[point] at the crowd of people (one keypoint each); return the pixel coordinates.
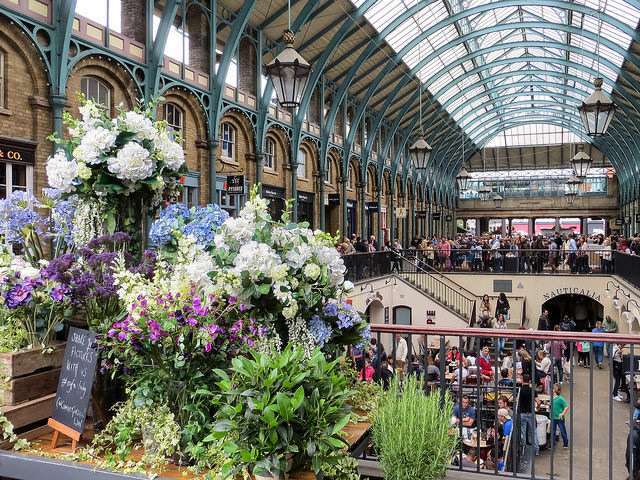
(490, 252)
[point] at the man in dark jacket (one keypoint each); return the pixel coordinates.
(543, 321)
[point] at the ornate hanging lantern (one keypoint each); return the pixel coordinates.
(597, 111)
(289, 73)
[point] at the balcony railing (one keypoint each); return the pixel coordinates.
(601, 398)
(365, 265)
(627, 267)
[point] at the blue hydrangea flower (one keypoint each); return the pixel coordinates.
(16, 213)
(345, 320)
(176, 210)
(161, 231)
(320, 331)
(204, 222)
(62, 217)
(331, 309)
(366, 337)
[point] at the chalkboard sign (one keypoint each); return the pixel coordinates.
(76, 380)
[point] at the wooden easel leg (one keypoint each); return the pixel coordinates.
(54, 439)
(74, 444)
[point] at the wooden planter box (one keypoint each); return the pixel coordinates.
(29, 374)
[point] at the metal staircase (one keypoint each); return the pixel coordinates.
(443, 290)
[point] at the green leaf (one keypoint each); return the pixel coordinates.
(341, 424)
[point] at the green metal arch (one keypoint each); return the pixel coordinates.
(514, 26)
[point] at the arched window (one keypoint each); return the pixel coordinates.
(228, 141)
(175, 121)
(270, 154)
(3, 83)
(327, 173)
(302, 164)
(96, 90)
(350, 178)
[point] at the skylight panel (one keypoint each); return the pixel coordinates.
(381, 14)
(446, 42)
(447, 94)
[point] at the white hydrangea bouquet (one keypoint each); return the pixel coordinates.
(119, 167)
(287, 274)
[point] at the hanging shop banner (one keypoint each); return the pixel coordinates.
(449, 218)
(305, 197)
(334, 199)
(436, 215)
(627, 220)
(637, 217)
(235, 184)
(272, 192)
(371, 206)
(421, 214)
(17, 151)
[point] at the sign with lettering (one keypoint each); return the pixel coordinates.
(449, 218)
(572, 291)
(421, 214)
(76, 379)
(619, 221)
(272, 192)
(17, 151)
(305, 197)
(334, 199)
(235, 184)
(371, 206)
(637, 217)
(436, 215)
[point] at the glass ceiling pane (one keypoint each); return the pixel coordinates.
(534, 134)
(444, 49)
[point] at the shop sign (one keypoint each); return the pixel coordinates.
(421, 214)
(371, 206)
(235, 184)
(637, 217)
(16, 151)
(272, 192)
(305, 197)
(351, 204)
(627, 220)
(436, 215)
(401, 212)
(585, 292)
(619, 221)
(449, 218)
(334, 199)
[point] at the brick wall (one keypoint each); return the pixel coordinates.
(194, 136)
(198, 30)
(27, 113)
(133, 19)
(247, 67)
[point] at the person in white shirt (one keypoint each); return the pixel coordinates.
(401, 353)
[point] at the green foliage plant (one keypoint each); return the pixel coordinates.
(278, 408)
(411, 433)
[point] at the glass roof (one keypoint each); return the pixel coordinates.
(533, 134)
(512, 58)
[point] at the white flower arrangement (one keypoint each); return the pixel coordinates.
(129, 160)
